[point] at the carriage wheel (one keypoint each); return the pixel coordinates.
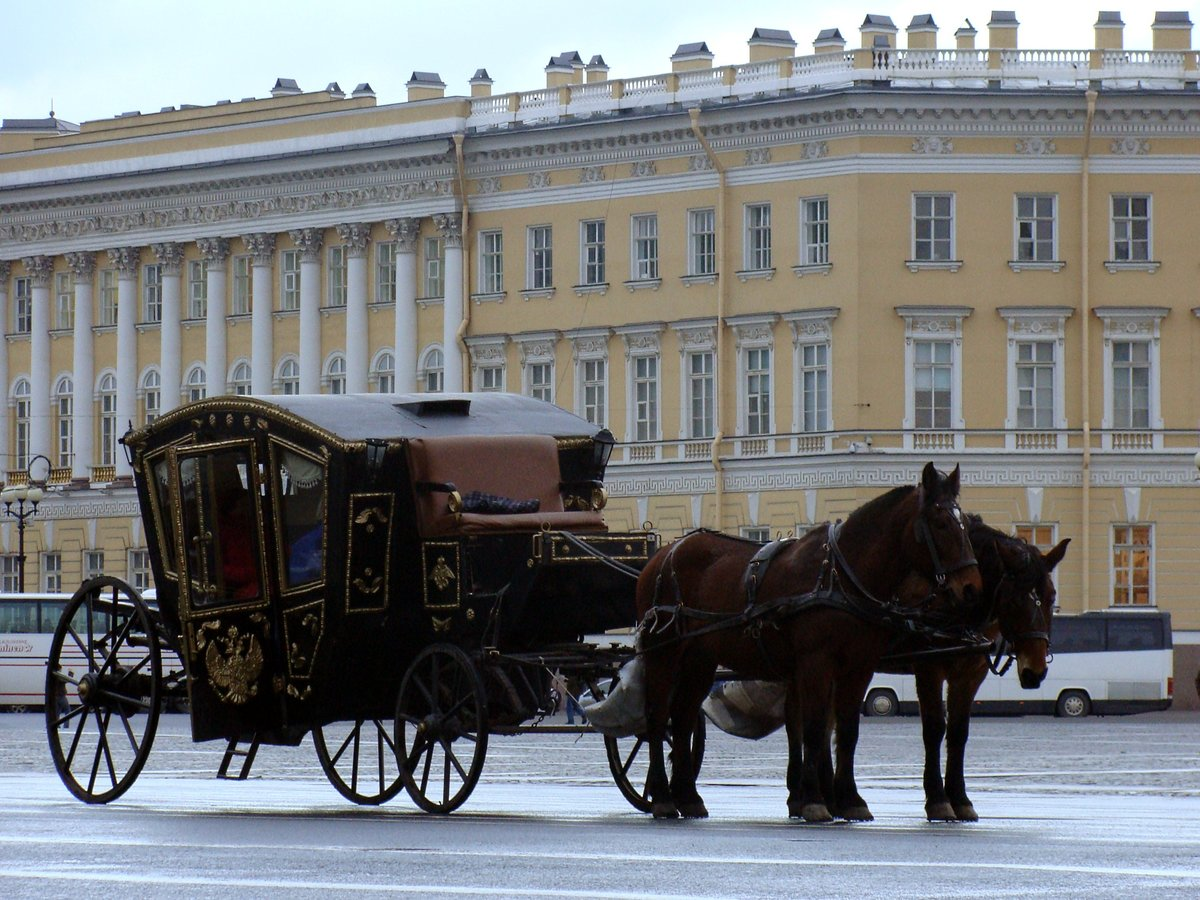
(441, 728)
(359, 759)
(629, 762)
(106, 655)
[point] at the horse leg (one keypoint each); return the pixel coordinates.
(659, 680)
(848, 698)
(685, 710)
(959, 698)
(930, 679)
(807, 730)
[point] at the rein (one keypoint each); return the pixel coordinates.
(1004, 649)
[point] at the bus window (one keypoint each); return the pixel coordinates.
(1077, 635)
(18, 617)
(1134, 634)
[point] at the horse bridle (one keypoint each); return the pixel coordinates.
(1006, 648)
(925, 536)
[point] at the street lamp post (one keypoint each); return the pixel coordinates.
(30, 493)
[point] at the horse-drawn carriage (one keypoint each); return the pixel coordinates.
(398, 576)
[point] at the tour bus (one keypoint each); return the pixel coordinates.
(1107, 663)
(27, 623)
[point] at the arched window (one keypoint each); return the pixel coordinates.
(64, 406)
(289, 377)
(197, 384)
(432, 370)
(383, 372)
(108, 419)
(21, 392)
(151, 396)
(335, 375)
(239, 379)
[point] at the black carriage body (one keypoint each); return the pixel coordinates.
(301, 562)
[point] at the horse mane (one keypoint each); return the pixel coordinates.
(874, 509)
(986, 540)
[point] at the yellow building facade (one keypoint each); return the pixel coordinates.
(784, 284)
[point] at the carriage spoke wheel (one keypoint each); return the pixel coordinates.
(359, 759)
(441, 728)
(106, 654)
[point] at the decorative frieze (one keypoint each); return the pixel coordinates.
(758, 156)
(699, 163)
(814, 149)
(488, 185)
(643, 168)
(933, 146)
(539, 180)
(1036, 146)
(591, 174)
(1129, 146)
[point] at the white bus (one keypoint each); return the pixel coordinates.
(27, 623)
(1105, 663)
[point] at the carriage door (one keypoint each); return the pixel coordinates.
(228, 634)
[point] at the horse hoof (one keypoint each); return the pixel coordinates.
(693, 809)
(665, 810)
(940, 812)
(810, 812)
(966, 813)
(857, 814)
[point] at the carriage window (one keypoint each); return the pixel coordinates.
(220, 530)
(301, 491)
(160, 479)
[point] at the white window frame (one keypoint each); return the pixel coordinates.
(491, 261)
(1114, 546)
(932, 250)
(933, 323)
(383, 372)
(1029, 227)
(696, 338)
(240, 378)
(757, 238)
(137, 568)
(702, 242)
(592, 253)
(334, 374)
(152, 279)
(52, 572)
(10, 573)
(489, 361)
(1122, 226)
(64, 408)
(197, 295)
(287, 376)
(643, 388)
(1133, 325)
(643, 247)
(106, 398)
(336, 275)
(814, 233)
(108, 298)
(592, 398)
(811, 329)
(22, 304)
(434, 271)
(754, 333)
(92, 564)
(64, 306)
(195, 383)
(385, 271)
(432, 371)
(537, 353)
(289, 280)
(243, 285)
(539, 258)
(150, 391)
(1027, 324)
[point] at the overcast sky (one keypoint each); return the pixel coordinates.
(94, 59)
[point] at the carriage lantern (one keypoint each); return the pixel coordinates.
(31, 492)
(602, 447)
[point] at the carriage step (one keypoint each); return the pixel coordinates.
(247, 754)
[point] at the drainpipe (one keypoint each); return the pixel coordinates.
(1085, 352)
(722, 281)
(461, 334)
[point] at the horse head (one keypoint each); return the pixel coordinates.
(939, 547)
(1024, 601)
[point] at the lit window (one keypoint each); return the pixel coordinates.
(1132, 570)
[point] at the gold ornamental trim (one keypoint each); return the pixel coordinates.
(233, 660)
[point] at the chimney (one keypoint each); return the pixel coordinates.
(1172, 31)
(335, 92)
(965, 36)
(922, 33)
(830, 40)
(285, 87)
(481, 84)
(1002, 30)
(364, 90)
(596, 70)
(424, 86)
(1109, 31)
(874, 26)
(689, 57)
(771, 43)
(561, 70)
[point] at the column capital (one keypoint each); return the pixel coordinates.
(170, 257)
(5, 271)
(261, 246)
(308, 241)
(356, 236)
(125, 260)
(449, 226)
(40, 269)
(405, 232)
(82, 263)
(214, 250)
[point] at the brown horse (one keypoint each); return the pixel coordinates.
(816, 611)
(1019, 598)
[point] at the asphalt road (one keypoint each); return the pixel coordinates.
(1095, 808)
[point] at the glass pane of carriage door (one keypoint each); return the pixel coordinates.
(221, 548)
(301, 517)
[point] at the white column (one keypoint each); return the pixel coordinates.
(262, 349)
(170, 257)
(5, 419)
(41, 269)
(216, 252)
(308, 242)
(450, 226)
(357, 237)
(404, 347)
(83, 407)
(126, 260)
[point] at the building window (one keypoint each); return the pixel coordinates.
(645, 398)
(289, 279)
(22, 305)
(52, 573)
(540, 243)
(93, 564)
(337, 275)
(814, 387)
(758, 390)
(1040, 536)
(1036, 228)
(814, 231)
(64, 405)
(108, 297)
(701, 395)
(108, 419)
(644, 257)
(594, 383)
(289, 377)
(1131, 384)
(64, 301)
(1132, 565)
(151, 396)
(197, 288)
(933, 380)
(383, 373)
(152, 293)
(335, 375)
(385, 272)
(139, 569)
(758, 237)
(435, 267)
(491, 262)
(591, 253)
(1035, 384)
(243, 285)
(239, 380)
(933, 227)
(491, 378)
(541, 381)
(759, 533)
(702, 242)
(1131, 228)
(21, 423)
(433, 370)
(10, 573)
(196, 384)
